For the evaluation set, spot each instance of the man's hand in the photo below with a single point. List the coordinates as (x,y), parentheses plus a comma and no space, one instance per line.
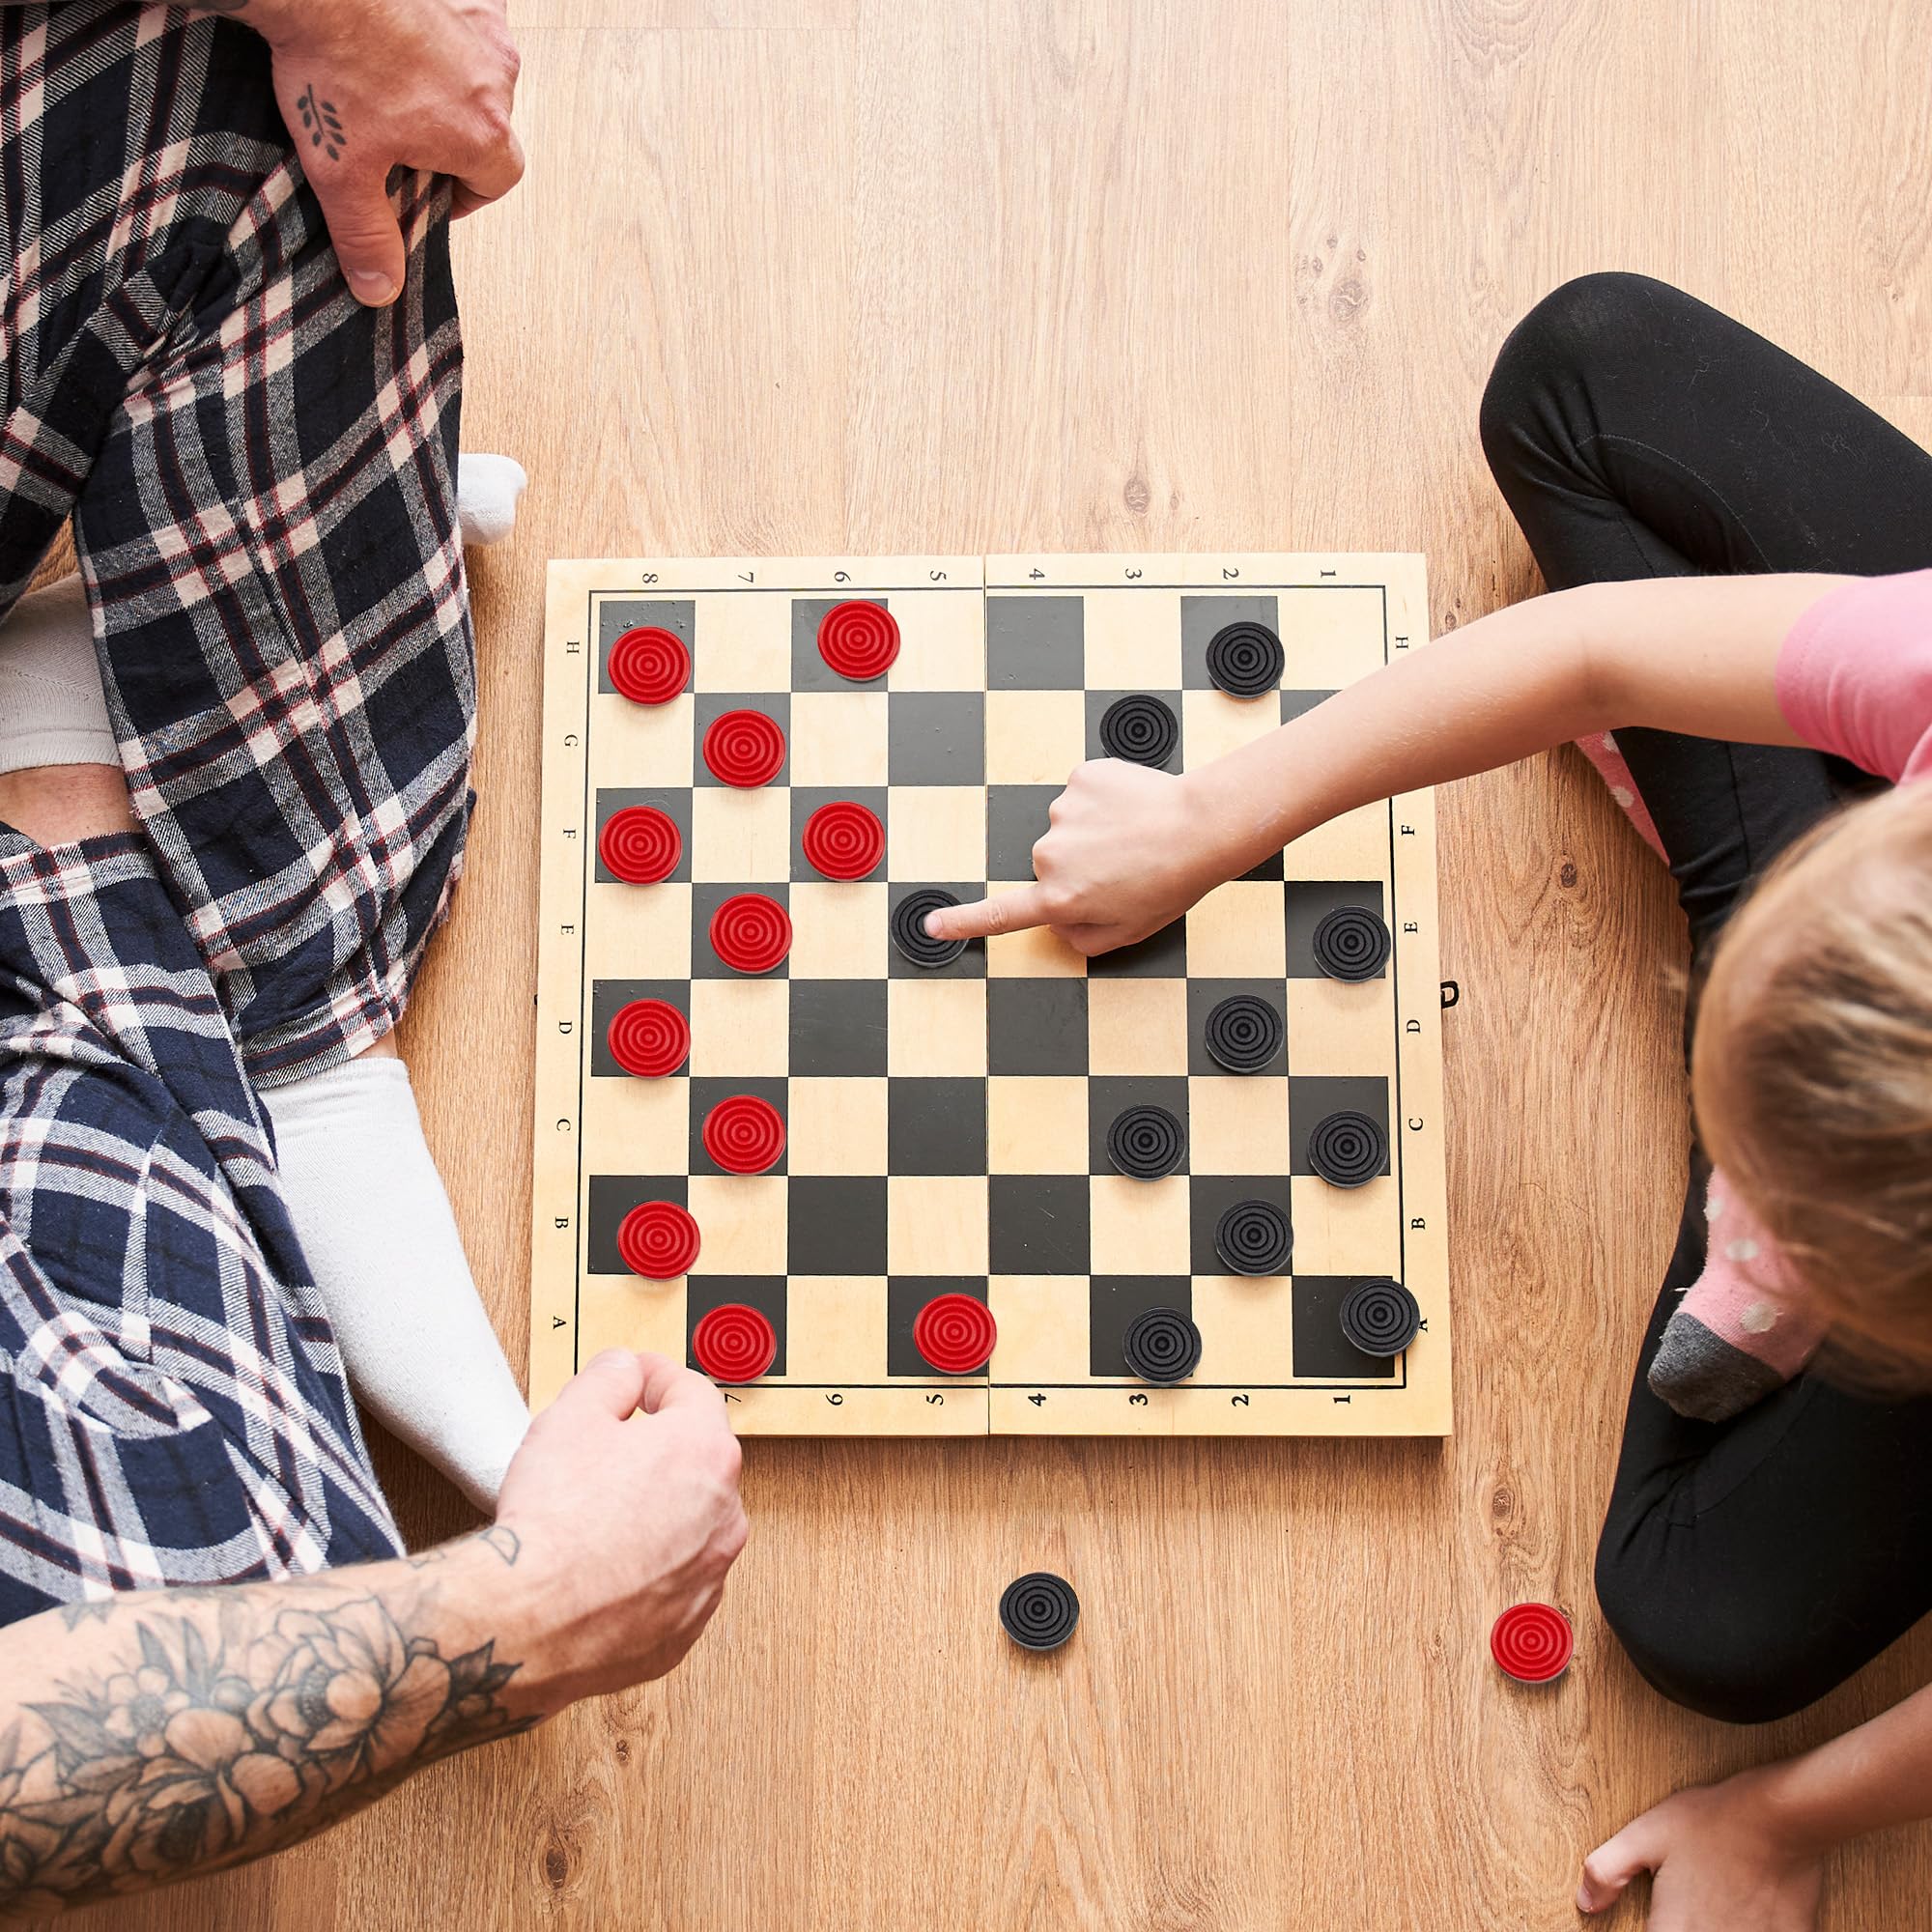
(368,85)
(624,1503)
(1126,850)
(1720,1856)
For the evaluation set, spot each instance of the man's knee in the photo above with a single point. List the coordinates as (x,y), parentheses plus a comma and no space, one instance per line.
(1594,322)
(1697,1651)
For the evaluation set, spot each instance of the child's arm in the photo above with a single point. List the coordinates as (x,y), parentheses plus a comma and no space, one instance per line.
(1130,849)
(1752,1850)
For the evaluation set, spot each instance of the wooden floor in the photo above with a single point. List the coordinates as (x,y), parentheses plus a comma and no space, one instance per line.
(816,275)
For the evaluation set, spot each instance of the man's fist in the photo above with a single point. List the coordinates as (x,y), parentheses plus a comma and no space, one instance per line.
(624,1503)
(369,85)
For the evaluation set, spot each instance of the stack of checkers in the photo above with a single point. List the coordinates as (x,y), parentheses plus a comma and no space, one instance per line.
(1040,1028)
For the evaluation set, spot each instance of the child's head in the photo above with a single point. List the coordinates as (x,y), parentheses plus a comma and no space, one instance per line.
(1812,1071)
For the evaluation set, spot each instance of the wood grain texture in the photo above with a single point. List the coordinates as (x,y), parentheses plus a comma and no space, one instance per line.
(898,275)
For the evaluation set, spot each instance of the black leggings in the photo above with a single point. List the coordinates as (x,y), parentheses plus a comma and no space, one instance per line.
(1749,1566)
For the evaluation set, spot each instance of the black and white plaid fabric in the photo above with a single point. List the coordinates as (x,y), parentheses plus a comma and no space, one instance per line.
(261,475)
(174,1410)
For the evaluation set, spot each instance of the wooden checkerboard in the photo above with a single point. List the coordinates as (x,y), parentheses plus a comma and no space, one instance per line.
(946,1127)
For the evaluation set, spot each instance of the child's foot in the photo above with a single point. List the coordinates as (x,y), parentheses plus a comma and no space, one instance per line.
(486,489)
(1735,1336)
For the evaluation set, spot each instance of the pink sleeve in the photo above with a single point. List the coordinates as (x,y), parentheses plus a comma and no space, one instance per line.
(1855,674)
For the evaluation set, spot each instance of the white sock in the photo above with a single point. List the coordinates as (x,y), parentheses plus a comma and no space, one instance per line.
(51,707)
(487,489)
(375,1223)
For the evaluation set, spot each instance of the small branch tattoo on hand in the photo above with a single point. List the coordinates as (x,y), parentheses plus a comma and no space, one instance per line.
(321,124)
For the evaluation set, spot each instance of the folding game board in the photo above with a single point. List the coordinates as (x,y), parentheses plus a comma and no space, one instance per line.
(1194,1188)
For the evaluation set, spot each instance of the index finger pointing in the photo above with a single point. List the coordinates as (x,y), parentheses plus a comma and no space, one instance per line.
(1006,912)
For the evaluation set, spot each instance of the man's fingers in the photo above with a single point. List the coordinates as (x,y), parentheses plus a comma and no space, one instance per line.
(499,170)
(1612,1867)
(368,243)
(615,1380)
(1009,912)
(669,1385)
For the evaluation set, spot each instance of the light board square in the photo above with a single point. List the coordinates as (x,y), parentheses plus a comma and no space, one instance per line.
(1034,737)
(936,1027)
(837,1126)
(936,1224)
(1137,1026)
(839,931)
(739,835)
(739,1026)
(839,738)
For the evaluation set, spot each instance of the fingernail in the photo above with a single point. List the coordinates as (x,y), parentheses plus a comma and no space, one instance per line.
(372,286)
(932,930)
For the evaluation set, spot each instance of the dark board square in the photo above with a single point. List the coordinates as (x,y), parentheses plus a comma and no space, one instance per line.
(1307,903)
(766,1292)
(838,1027)
(836,1224)
(1039,1223)
(808,670)
(935,1125)
(905,1295)
(707,1090)
(1109,1094)
(608,998)
(808,798)
(709,706)
(706,899)
(1097,706)
(1322,1351)
(1210,1195)
(1161,955)
(673,801)
(936,737)
(1205,995)
(617,614)
(1313,1098)
(1298,703)
(1036,1026)
(970,964)
(1114,1302)
(1200,617)
(612,1196)
(1035,643)
(1016,822)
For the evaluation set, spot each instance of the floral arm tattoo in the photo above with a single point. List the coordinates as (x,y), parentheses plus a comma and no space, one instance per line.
(159,1735)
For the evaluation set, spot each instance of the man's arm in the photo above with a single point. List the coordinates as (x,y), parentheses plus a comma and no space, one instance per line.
(1130,849)
(155,1736)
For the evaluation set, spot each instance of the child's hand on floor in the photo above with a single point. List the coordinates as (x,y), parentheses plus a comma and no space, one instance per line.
(1126,850)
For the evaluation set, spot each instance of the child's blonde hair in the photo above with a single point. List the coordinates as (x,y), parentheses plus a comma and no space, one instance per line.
(1812,1074)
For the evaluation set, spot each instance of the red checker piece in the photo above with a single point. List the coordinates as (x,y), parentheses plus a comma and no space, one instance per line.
(843,840)
(744,748)
(639,844)
(955,1333)
(648,1037)
(734,1344)
(743,1134)
(751,932)
(657,1240)
(858,640)
(1532,1642)
(649,665)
